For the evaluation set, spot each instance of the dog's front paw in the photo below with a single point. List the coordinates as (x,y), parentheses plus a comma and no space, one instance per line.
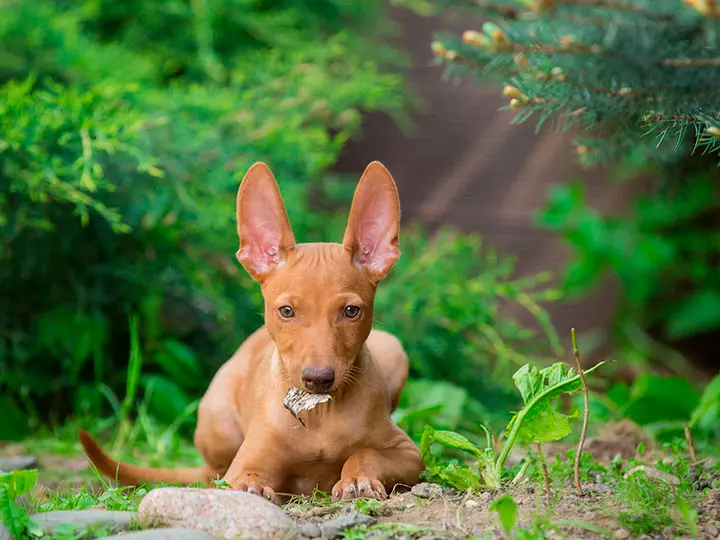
(254,484)
(359,487)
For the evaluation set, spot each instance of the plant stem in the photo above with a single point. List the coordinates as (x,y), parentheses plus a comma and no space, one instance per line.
(690,443)
(586,414)
(546,475)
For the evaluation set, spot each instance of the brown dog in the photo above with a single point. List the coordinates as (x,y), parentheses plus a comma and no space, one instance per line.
(318,336)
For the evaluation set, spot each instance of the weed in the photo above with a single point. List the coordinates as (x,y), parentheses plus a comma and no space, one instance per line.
(536,422)
(371,507)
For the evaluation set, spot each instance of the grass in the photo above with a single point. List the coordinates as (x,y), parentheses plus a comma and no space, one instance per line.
(649,493)
(640,503)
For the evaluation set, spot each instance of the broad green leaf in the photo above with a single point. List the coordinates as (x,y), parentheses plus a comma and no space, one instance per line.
(537,421)
(19,482)
(699,312)
(12,515)
(709,402)
(460,477)
(457,441)
(544,424)
(166,401)
(180,364)
(655,398)
(527,380)
(506,509)
(426,441)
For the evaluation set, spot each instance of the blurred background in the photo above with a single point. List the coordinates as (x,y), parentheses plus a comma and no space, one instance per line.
(125,128)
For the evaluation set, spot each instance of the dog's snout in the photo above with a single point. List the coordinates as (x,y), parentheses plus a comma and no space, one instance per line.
(318,379)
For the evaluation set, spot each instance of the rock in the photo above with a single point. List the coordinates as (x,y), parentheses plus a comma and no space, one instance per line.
(310,530)
(164,534)
(80,519)
(711,530)
(219,513)
(621,534)
(4,533)
(426,490)
(16,463)
(334,527)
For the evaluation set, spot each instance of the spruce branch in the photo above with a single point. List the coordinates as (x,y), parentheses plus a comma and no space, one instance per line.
(617,6)
(690,62)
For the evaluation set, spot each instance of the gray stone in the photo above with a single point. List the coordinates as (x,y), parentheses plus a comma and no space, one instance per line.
(621,534)
(426,490)
(79,519)
(310,530)
(334,527)
(4,533)
(223,514)
(17,463)
(164,534)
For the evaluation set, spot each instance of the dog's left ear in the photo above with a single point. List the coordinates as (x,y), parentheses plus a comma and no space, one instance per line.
(374,223)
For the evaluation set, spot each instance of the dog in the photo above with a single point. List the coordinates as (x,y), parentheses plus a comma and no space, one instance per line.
(318,337)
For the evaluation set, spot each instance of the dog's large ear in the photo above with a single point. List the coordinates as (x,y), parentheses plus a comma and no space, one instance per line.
(262,222)
(374,222)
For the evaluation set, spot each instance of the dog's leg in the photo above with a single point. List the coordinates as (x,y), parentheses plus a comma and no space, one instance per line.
(257,468)
(368,472)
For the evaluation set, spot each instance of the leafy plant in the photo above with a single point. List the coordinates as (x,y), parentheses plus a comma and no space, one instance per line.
(444,298)
(118,183)
(506,509)
(537,421)
(12,486)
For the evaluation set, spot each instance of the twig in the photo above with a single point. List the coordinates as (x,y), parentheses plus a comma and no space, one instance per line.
(691,62)
(690,443)
(618,6)
(586,414)
(546,475)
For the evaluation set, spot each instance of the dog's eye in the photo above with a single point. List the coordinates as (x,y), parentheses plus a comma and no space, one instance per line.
(351,312)
(286,312)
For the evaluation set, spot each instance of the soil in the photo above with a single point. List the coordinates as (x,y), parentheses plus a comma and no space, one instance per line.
(437,512)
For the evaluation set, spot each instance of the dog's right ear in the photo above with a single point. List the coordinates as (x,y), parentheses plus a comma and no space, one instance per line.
(262,222)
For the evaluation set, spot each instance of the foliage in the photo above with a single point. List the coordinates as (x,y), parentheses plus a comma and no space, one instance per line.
(13,485)
(538,421)
(636,83)
(663,254)
(447,299)
(641,73)
(663,405)
(124,130)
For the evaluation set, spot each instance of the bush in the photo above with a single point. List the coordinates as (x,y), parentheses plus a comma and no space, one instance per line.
(125,130)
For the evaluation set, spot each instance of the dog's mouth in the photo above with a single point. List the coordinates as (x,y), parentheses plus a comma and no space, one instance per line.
(297,400)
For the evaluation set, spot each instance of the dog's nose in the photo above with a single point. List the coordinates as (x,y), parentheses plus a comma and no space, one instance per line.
(318,379)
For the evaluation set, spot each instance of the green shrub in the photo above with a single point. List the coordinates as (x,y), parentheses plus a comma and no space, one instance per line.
(125,129)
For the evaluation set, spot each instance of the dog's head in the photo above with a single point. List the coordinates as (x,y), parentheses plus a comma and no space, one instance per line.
(318,297)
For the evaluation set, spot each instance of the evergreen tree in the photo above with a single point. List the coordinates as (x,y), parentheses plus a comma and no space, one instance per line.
(637,83)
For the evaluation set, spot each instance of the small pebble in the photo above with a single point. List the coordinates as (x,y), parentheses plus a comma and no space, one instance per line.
(164,534)
(223,514)
(621,534)
(4,533)
(113,520)
(426,490)
(333,527)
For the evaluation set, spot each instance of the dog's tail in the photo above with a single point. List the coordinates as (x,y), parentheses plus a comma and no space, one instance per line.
(126,474)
